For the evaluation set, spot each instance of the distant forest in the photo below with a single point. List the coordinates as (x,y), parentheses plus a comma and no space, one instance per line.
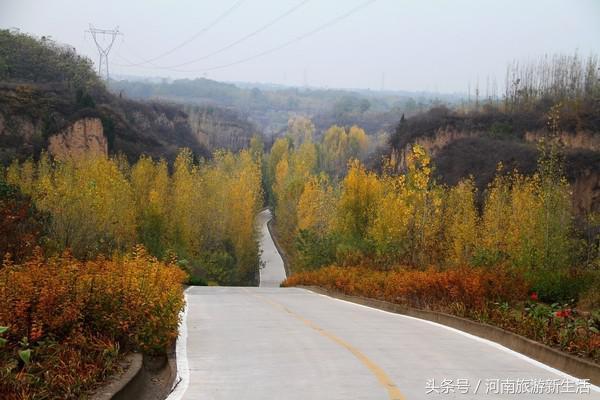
(270,107)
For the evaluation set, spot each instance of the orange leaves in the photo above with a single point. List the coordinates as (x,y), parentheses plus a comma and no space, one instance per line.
(493,296)
(57,296)
(432,288)
(77,315)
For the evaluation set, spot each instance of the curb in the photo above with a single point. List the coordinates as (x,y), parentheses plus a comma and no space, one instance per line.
(577,367)
(145,378)
(121,382)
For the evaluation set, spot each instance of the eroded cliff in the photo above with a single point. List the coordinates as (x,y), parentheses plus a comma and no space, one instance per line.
(84,136)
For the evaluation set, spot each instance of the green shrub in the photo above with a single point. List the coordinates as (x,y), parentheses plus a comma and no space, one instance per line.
(219,266)
(559,286)
(196,281)
(314,251)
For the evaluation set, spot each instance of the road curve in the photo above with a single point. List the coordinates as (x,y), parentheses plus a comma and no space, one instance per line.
(289,343)
(272,271)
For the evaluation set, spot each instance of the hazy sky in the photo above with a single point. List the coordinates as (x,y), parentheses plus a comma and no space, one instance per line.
(413,45)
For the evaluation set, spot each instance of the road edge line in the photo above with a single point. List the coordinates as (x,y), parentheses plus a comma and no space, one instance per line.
(182,378)
(463,333)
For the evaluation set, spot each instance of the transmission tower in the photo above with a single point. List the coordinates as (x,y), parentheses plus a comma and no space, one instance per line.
(103,45)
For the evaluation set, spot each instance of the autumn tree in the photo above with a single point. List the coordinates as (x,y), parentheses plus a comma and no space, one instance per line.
(257,147)
(425,196)
(358,143)
(359,196)
(316,238)
(203,212)
(340,145)
(334,150)
(279,151)
(151,187)
(389,230)
(460,224)
(300,130)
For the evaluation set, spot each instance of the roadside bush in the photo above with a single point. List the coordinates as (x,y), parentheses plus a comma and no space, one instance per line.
(493,296)
(475,288)
(314,251)
(219,267)
(560,286)
(75,318)
(590,298)
(21,224)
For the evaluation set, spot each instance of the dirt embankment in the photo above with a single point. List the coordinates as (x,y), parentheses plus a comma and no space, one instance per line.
(84,136)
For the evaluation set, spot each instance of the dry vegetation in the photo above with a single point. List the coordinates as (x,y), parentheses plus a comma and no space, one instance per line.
(495,296)
(79,293)
(66,323)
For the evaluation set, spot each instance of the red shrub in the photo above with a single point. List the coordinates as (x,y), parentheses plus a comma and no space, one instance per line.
(481,294)
(77,317)
(437,289)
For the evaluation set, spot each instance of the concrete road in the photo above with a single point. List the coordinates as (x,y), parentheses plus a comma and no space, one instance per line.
(276,343)
(272,272)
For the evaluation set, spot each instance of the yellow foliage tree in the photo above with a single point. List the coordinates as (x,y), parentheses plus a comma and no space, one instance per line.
(360,194)
(300,130)
(460,224)
(334,150)
(358,143)
(203,211)
(316,207)
(389,230)
(279,150)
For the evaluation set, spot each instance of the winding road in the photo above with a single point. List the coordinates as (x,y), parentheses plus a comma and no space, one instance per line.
(289,343)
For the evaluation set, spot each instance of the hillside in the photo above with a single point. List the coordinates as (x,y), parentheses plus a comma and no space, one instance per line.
(270,107)
(474,142)
(50,94)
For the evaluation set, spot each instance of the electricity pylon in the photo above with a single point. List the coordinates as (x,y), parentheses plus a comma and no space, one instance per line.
(104,46)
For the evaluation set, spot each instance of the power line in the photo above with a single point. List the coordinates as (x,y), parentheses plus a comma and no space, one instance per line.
(193,37)
(316,30)
(244,38)
(129,50)
(312,32)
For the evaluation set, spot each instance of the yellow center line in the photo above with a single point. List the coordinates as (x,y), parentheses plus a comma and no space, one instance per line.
(383,378)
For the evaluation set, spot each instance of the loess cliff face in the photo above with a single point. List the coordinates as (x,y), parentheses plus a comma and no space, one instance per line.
(84,136)
(584,140)
(37,117)
(431,144)
(586,191)
(51,99)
